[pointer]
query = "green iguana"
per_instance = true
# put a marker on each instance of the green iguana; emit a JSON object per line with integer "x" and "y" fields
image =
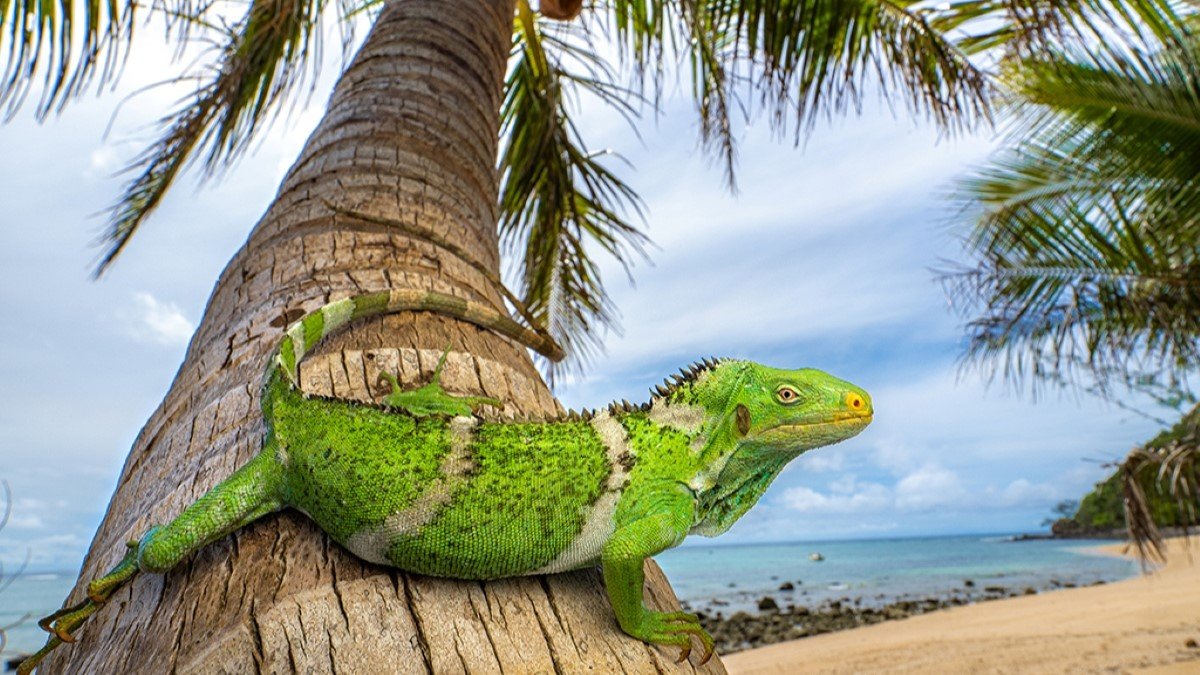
{"x": 423, "y": 484}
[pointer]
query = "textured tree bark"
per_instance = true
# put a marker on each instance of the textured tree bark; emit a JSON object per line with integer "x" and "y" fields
{"x": 410, "y": 134}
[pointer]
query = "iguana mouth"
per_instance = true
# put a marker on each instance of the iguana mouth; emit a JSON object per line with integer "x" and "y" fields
{"x": 833, "y": 421}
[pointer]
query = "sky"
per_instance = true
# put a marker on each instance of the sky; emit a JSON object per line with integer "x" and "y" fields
{"x": 822, "y": 259}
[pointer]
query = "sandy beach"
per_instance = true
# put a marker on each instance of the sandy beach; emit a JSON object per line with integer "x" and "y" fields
{"x": 1142, "y": 625}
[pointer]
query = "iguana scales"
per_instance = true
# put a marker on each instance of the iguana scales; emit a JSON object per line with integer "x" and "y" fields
{"x": 423, "y": 484}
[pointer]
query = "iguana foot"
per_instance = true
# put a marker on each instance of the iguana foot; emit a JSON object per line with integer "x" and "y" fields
{"x": 673, "y": 628}
{"x": 63, "y": 623}
{"x": 431, "y": 399}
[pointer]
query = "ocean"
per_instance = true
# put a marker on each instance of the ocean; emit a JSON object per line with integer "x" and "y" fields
{"x": 874, "y": 573}
{"x": 729, "y": 578}
{"x": 26, "y": 599}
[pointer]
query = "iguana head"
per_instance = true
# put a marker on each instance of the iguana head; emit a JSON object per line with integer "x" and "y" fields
{"x": 791, "y": 411}
{"x": 758, "y": 419}
{"x": 788, "y": 411}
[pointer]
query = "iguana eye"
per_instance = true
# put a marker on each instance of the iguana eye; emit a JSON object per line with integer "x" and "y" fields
{"x": 787, "y": 395}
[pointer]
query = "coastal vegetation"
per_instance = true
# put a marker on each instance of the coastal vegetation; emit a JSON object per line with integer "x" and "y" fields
{"x": 1103, "y": 510}
{"x": 1161, "y": 482}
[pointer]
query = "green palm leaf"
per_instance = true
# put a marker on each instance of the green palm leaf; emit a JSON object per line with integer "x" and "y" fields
{"x": 1086, "y": 263}
{"x": 798, "y": 60}
{"x": 1026, "y": 27}
{"x": 63, "y": 44}
{"x": 558, "y": 200}
{"x": 261, "y": 60}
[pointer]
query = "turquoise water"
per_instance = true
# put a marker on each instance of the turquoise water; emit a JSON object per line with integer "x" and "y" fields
{"x": 27, "y": 599}
{"x": 881, "y": 571}
{"x": 735, "y": 577}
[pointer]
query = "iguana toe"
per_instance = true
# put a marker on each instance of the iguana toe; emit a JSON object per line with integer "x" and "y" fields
{"x": 675, "y": 628}
{"x": 62, "y": 623}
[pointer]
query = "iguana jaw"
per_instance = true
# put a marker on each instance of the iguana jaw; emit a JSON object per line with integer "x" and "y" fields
{"x": 825, "y": 419}
{"x": 816, "y": 430}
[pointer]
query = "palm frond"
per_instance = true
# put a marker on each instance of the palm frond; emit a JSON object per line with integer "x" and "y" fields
{"x": 800, "y": 60}
{"x": 1115, "y": 110}
{"x": 1102, "y": 297}
{"x": 261, "y": 61}
{"x": 1169, "y": 464}
{"x": 1085, "y": 248}
{"x": 63, "y": 44}
{"x": 559, "y": 202}
{"x": 817, "y": 56}
{"x": 713, "y": 82}
{"x": 1024, "y": 28}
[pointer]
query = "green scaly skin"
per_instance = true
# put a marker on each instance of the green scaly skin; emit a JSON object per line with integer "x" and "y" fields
{"x": 422, "y": 484}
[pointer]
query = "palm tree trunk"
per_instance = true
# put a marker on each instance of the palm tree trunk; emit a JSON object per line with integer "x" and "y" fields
{"x": 411, "y": 135}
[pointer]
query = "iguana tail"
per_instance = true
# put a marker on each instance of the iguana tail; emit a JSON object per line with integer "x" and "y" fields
{"x": 307, "y": 333}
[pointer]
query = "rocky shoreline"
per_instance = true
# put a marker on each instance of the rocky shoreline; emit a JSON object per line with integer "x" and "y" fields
{"x": 775, "y": 623}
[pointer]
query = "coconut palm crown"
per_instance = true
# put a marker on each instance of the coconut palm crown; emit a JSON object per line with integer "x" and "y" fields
{"x": 791, "y": 61}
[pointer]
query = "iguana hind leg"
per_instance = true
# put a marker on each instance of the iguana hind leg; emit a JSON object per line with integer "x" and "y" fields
{"x": 431, "y": 399}
{"x": 250, "y": 493}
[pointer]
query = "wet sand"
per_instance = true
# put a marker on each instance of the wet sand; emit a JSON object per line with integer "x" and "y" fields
{"x": 1141, "y": 625}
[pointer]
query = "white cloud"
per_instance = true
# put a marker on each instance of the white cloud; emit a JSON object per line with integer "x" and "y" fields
{"x": 926, "y": 488}
{"x": 929, "y": 487}
{"x": 891, "y": 452}
{"x": 26, "y": 521}
{"x": 103, "y": 161}
{"x": 44, "y": 552}
{"x": 922, "y": 489}
{"x": 26, "y": 512}
{"x": 846, "y": 484}
{"x": 867, "y": 498}
{"x": 160, "y": 322}
{"x": 1022, "y": 492}
{"x": 825, "y": 461}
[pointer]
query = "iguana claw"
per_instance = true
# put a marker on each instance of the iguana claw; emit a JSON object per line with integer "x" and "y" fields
{"x": 48, "y": 623}
{"x": 675, "y": 628}
{"x": 684, "y": 653}
{"x": 686, "y": 650}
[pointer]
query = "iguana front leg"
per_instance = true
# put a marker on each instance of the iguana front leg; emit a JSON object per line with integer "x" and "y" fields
{"x": 661, "y": 522}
